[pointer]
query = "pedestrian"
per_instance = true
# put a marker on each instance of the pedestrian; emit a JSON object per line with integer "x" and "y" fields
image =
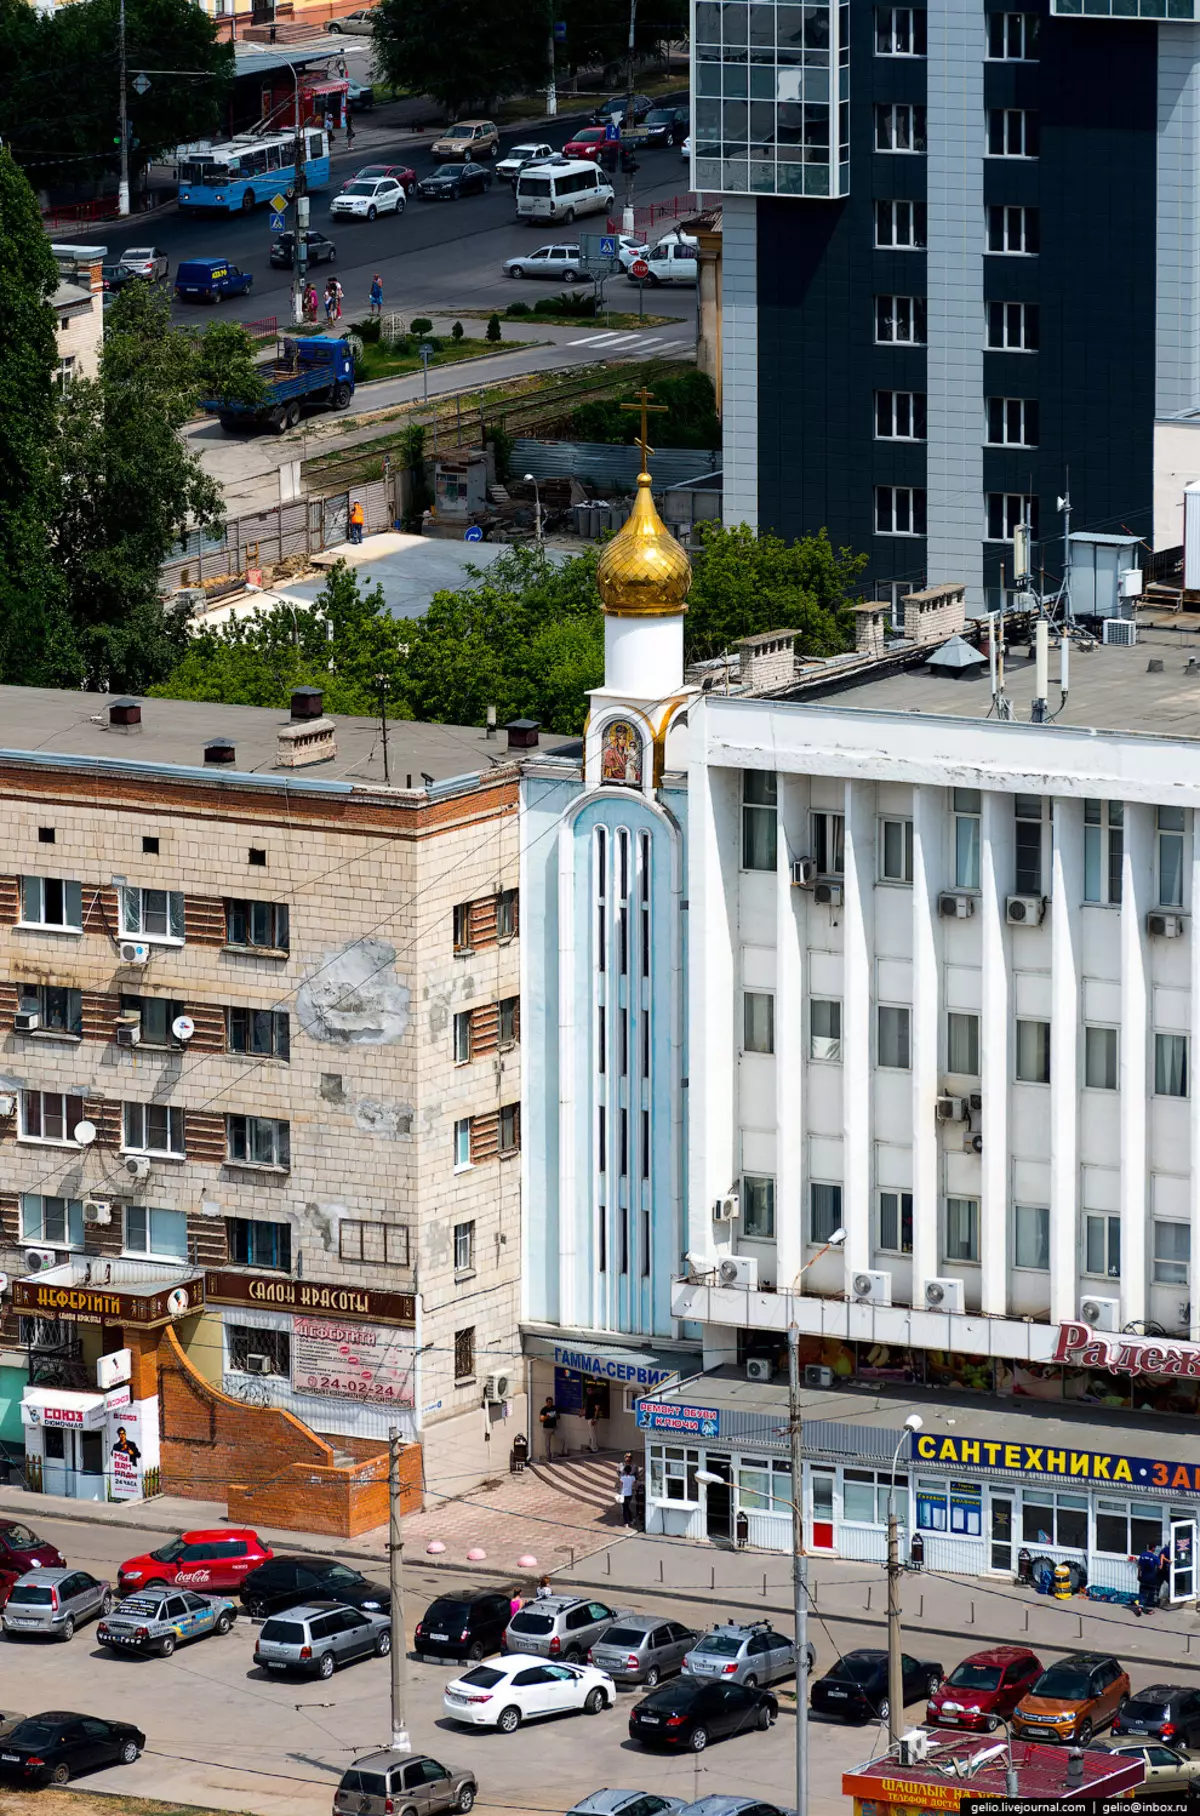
{"x": 337, "y": 294}
{"x": 357, "y": 521}
{"x": 514, "y": 1603}
{"x": 629, "y": 1483}
{"x": 330, "y": 302}
{"x": 1147, "y": 1576}
{"x": 543, "y": 1589}
{"x": 311, "y": 303}
{"x": 591, "y": 1412}
{"x": 349, "y": 132}
{"x": 548, "y": 1420}
{"x": 376, "y": 297}
{"x": 1162, "y": 1589}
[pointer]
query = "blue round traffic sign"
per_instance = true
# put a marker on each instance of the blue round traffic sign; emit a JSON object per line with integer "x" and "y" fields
{"x": 474, "y": 534}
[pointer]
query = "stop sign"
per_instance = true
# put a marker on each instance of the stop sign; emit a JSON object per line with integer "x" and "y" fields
{"x": 639, "y": 269}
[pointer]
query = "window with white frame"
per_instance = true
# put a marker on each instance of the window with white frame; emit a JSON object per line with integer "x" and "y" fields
{"x": 900, "y": 31}
{"x": 258, "y": 1141}
{"x": 1013, "y": 37}
{"x": 868, "y": 1495}
{"x": 1029, "y": 817}
{"x": 673, "y": 1474}
{"x": 1169, "y": 821}
{"x": 462, "y": 1038}
{"x": 1013, "y": 327}
{"x": 824, "y": 1210}
{"x": 1033, "y": 1052}
{"x": 47, "y": 901}
{"x": 764, "y": 1485}
{"x": 50, "y": 1116}
{"x": 1124, "y": 1529}
{"x": 152, "y": 914}
{"x": 464, "y": 1248}
{"x": 153, "y": 1128}
{"x": 825, "y": 1029}
{"x": 829, "y": 843}
{"x": 1048, "y": 1518}
{"x": 1005, "y": 510}
{"x": 1012, "y": 132}
{"x": 1103, "y": 851}
{"x": 1031, "y": 1237}
{"x": 900, "y": 415}
{"x": 900, "y": 511}
{"x": 758, "y": 1021}
{"x": 1013, "y": 229}
{"x": 50, "y": 1222}
{"x": 462, "y": 1142}
{"x": 59, "y": 1009}
{"x": 962, "y": 1043}
{"x": 149, "y": 1231}
{"x": 896, "y": 1223}
{"x": 1102, "y": 1245}
{"x": 894, "y": 1036}
{"x": 900, "y": 321}
{"x": 899, "y": 126}
{"x": 1100, "y": 1058}
{"x": 900, "y": 226}
{"x": 895, "y": 851}
{"x": 1172, "y": 1252}
{"x": 758, "y": 1207}
{"x": 961, "y": 1242}
{"x": 1170, "y": 1065}
{"x": 1012, "y": 422}
{"x": 968, "y": 805}
{"x": 760, "y": 819}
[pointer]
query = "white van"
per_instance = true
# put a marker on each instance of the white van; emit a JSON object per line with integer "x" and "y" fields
{"x": 558, "y": 192}
{"x": 673, "y": 260}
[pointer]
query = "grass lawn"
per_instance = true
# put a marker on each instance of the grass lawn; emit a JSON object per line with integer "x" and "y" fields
{"x": 379, "y": 361}
{"x": 93, "y": 1803}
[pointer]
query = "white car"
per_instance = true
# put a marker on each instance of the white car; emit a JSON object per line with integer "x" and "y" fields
{"x": 629, "y": 247}
{"x": 685, "y": 150}
{"x": 514, "y": 162}
{"x": 360, "y": 24}
{"x": 506, "y": 1691}
{"x": 145, "y": 261}
{"x": 364, "y": 200}
{"x": 565, "y": 262}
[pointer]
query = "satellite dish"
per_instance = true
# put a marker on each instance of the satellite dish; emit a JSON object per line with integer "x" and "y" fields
{"x": 84, "y": 1133}
{"x": 183, "y": 1027}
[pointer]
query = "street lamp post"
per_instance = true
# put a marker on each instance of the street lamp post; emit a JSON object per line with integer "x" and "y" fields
{"x": 913, "y": 1423}
{"x": 537, "y": 507}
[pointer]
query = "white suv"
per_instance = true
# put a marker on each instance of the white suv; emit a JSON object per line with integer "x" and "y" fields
{"x": 364, "y": 200}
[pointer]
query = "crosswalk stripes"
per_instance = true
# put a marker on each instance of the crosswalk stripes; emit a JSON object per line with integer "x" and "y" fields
{"x": 629, "y": 343}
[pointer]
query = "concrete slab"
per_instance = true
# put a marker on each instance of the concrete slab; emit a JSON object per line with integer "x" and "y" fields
{"x": 410, "y": 569}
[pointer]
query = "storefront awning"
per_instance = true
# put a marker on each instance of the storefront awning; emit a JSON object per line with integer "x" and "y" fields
{"x": 59, "y": 1406}
{"x": 624, "y": 1367}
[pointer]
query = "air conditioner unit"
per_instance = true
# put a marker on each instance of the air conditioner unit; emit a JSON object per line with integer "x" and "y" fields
{"x": 27, "y": 1021}
{"x": 828, "y": 894}
{"x": 128, "y": 1030}
{"x": 497, "y": 1387}
{"x": 817, "y": 1375}
{"x": 804, "y": 872}
{"x": 872, "y": 1288}
{"x": 38, "y": 1259}
{"x": 137, "y": 1166}
{"x": 1024, "y": 910}
{"x": 725, "y": 1210}
{"x": 257, "y": 1365}
{"x": 914, "y": 1747}
{"x": 972, "y": 1144}
{"x": 944, "y": 1295}
{"x": 1158, "y": 926}
{"x": 134, "y": 952}
{"x": 953, "y": 906}
{"x": 950, "y": 1109}
{"x": 97, "y": 1210}
{"x": 975, "y": 1102}
{"x": 1119, "y": 630}
{"x": 739, "y": 1270}
{"x": 1101, "y": 1314}
{"x": 758, "y": 1369}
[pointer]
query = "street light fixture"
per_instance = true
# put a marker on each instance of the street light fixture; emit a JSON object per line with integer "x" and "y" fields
{"x": 912, "y": 1423}
{"x": 537, "y": 505}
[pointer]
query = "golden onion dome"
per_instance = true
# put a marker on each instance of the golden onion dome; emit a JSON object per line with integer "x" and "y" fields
{"x": 644, "y": 572}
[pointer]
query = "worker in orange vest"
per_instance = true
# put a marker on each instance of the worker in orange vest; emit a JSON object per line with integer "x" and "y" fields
{"x": 357, "y": 521}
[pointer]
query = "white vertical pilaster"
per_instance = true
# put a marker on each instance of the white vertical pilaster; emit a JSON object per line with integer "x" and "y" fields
{"x": 1066, "y": 889}
{"x": 857, "y": 998}
{"x": 570, "y": 1212}
{"x": 1194, "y": 1102}
{"x": 790, "y": 1108}
{"x": 995, "y": 866}
{"x": 713, "y": 1159}
{"x": 927, "y": 873}
{"x": 1136, "y": 878}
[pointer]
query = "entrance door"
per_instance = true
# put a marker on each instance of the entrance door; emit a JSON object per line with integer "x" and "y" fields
{"x": 1001, "y": 1530}
{"x": 58, "y": 1466}
{"x": 718, "y": 1498}
{"x": 821, "y": 1509}
{"x": 1183, "y": 1560}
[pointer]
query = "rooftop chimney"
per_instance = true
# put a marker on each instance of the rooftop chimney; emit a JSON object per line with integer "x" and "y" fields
{"x": 124, "y": 715}
{"x": 307, "y": 703}
{"x": 220, "y": 750}
{"x": 523, "y": 733}
{"x": 307, "y": 737}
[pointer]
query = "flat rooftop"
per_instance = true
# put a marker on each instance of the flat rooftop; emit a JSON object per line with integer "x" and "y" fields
{"x": 52, "y": 722}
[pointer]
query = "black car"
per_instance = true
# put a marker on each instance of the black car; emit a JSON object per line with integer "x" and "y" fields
{"x": 115, "y": 277}
{"x": 321, "y": 251}
{"x": 856, "y": 1687}
{"x": 689, "y": 1713}
{"x": 666, "y": 125}
{"x": 618, "y": 104}
{"x": 454, "y": 180}
{"x": 1164, "y": 1712}
{"x": 287, "y": 1582}
{"x": 468, "y": 1625}
{"x": 55, "y": 1747}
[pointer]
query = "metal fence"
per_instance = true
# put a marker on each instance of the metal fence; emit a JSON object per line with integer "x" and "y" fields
{"x": 264, "y": 538}
{"x": 610, "y": 463}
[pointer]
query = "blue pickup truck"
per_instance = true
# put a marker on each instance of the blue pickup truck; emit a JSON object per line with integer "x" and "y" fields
{"x": 309, "y": 372}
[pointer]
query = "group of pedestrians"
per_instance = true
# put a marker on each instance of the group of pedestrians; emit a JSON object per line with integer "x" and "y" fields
{"x": 629, "y": 1481}
{"x": 334, "y": 298}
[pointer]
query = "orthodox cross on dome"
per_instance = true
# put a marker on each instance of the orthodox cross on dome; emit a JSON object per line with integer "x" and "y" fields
{"x": 647, "y": 409}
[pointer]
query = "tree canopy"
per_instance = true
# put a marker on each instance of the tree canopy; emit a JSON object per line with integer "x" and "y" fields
{"x": 467, "y": 54}
{"x": 747, "y": 582}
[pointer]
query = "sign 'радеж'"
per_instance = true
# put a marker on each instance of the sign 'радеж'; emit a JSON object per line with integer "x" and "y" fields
{"x": 1081, "y": 1347}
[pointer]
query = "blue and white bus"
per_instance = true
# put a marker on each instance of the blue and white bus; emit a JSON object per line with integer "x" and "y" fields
{"x": 245, "y": 172}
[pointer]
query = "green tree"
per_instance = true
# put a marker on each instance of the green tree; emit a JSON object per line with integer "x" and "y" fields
{"x": 745, "y": 584}
{"x": 691, "y": 420}
{"x": 226, "y": 365}
{"x": 466, "y": 54}
{"x": 598, "y": 32}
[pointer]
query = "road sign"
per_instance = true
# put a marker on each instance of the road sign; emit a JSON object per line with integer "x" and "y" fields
{"x": 278, "y": 222}
{"x": 279, "y": 203}
{"x": 639, "y": 269}
{"x": 560, "y": 31}
{"x": 612, "y": 129}
{"x": 141, "y": 85}
{"x": 608, "y": 245}
{"x": 474, "y": 534}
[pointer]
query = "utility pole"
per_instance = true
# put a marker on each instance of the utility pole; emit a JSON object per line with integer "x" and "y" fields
{"x": 552, "y": 82}
{"x": 123, "y": 187}
{"x": 301, "y": 193}
{"x": 895, "y": 1639}
{"x": 399, "y": 1653}
{"x": 381, "y": 684}
{"x": 799, "y": 1569}
{"x": 626, "y": 123}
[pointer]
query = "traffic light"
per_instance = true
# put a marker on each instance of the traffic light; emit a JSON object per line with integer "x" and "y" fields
{"x": 628, "y": 162}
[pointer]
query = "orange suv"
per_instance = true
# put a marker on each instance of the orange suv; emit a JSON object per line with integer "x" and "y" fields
{"x": 1072, "y": 1699}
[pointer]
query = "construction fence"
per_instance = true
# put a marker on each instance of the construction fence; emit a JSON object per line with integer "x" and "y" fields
{"x": 258, "y": 542}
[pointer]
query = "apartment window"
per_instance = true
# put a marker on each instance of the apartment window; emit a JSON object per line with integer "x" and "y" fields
{"x": 462, "y": 927}
{"x": 758, "y": 1207}
{"x": 262, "y": 924}
{"x": 59, "y": 1009}
{"x": 258, "y": 1141}
{"x": 153, "y": 1128}
{"x": 379, "y": 1244}
{"x": 1100, "y": 1059}
{"x": 900, "y": 321}
{"x": 962, "y": 1229}
{"x": 1170, "y": 1065}
{"x": 1103, "y": 850}
{"x": 243, "y": 1342}
{"x": 48, "y": 902}
{"x": 900, "y": 415}
{"x": 962, "y": 1044}
{"x": 894, "y": 1036}
{"x": 899, "y": 126}
{"x": 896, "y": 851}
{"x": 149, "y": 1231}
{"x": 464, "y": 1248}
{"x": 829, "y": 843}
{"x": 1013, "y": 37}
{"x": 824, "y": 1210}
{"x": 464, "y": 1354}
{"x": 510, "y": 1128}
{"x": 1033, "y": 1052}
{"x": 760, "y": 829}
{"x": 1012, "y": 422}
{"x": 50, "y": 1116}
{"x": 1013, "y": 327}
{"x": 156, "y": 1013}
{"x": 1027, "y": 810}
{"x": 259, "y": 1244}
{"x": 462, "y": 1142}
{"x": 266, "y": 1032}
{"x": 1012, "y": 229}
{"x": 899, "y": 510}
{"x": 758, "y": 1021}
{"x": 1172, "y": 1253}
{"x": 896, "y": 1222}
{"x": 1102, "y": 1246}
{"x": 899, "y": 31}
{"x": 462, "y": 1038}
{"x": 825, "y": 1029}
{"x": 509, "y": 1009}
{"x": 967, "y": 806}
{"x": 1005, "y": 510}
{"x": 1012, "y": 133}
{"x": 506, "y": 914}
{"x": 152, "y": 914}
{"x": 51, "y": 1222}
{"x": 900, "y": 226}
{"x": 1170, "y": 857}
{"x": 1031, "y": 1237}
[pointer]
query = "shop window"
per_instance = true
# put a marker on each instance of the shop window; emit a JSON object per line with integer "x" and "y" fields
{"x": 760, "y": 830}
{"x": 932, "y": 1505}
{"x": 764, "y": 1485}
{"x": 1125, "y": 1528}
{"x": 242, "y": 1343}
{"x": 259, "y": 1244}
{"x": 673, "y": 1474}
{"x": 149, "y": 1231}
{"x": 1054, "y": 1519}
{"x": 758, "y": 1207}
{"x": 865, "y": 1497}
{"x": 51, "y": 1222}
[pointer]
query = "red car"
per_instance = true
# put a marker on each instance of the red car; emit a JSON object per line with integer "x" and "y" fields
{"x": 403, "y": 173}
{"x": 586, "y": 144}
{"x": 983, "y": 1688}
{"x": 207, "y": 1561}
{"x": 22, "y": 1550}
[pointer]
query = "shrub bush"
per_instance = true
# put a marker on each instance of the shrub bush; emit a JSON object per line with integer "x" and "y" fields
{"x": 493, "y": 328}
{"x": 369, "y": 330}
{"x": 516, "y": 309}
{"x": 421, "y": 325}
{"x": 457, "y": 332}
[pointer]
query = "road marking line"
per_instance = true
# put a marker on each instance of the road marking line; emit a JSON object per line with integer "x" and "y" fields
{"x": 622, "y": 340}
{"x": 593, "y": 339}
